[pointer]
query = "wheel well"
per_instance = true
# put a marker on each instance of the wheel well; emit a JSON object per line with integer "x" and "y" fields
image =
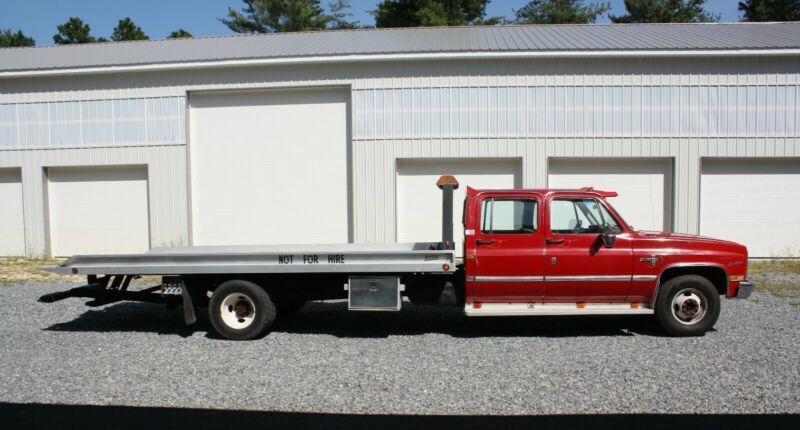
{"x": 716, "y": 275}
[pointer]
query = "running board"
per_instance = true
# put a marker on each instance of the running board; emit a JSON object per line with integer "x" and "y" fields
{"x": 532, "y": 309}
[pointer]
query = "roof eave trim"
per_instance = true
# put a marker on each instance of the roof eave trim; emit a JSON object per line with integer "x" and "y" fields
{"x": 399, "y": 57}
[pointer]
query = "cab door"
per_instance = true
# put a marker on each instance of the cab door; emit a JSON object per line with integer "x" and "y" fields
{"x": 579, "y": 268}
{"x": 509, "y": 249}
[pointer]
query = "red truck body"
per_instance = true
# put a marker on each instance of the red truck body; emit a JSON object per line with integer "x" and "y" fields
{"x": 548, "y": 265}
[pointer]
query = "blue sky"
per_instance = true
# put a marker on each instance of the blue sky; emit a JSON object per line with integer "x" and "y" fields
{"x": 39, "y": 18}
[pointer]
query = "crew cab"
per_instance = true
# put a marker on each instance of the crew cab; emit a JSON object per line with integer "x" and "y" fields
{"x": 559, "y": 252}
{"x": 526, "y": 252}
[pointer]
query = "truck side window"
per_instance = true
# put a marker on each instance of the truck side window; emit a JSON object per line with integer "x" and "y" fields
{"x": 508, "y": 216}
{"x": 580, "y": 215}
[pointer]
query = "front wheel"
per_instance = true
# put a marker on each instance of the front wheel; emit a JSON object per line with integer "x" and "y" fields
{"x": 687, "y": 305}
{"x": 241, "y": 310}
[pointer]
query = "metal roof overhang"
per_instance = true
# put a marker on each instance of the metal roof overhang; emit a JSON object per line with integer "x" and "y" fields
{"x": 433, "y": 56}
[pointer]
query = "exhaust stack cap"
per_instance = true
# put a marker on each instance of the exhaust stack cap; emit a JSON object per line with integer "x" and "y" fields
{"x": 447, "y": 180}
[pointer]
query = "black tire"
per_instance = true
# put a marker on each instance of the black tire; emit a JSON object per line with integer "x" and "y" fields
{"x": 241, "y": 295}
{"x": 288, "y": 306}
{"x": 676, "y": 306}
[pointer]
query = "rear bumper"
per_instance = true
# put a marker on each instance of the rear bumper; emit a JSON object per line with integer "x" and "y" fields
{"x": 745, "y": 289}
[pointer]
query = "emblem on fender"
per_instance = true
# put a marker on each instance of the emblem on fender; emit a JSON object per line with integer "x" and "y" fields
{"x": 653, "y": 260}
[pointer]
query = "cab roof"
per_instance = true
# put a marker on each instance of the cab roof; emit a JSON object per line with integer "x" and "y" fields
{"x": 589, "y": 191}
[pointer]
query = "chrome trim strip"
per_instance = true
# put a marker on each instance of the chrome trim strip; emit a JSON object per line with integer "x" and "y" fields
{"x": 599, "y": 278}
{"x": 534, "y": 309}
{"x": 505, "y": 278}
{"x": 643, "y": 278}
{"x": 603, "y": 278}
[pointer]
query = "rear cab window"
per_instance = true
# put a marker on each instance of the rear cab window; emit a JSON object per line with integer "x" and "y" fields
{"x": 509, "y": 215}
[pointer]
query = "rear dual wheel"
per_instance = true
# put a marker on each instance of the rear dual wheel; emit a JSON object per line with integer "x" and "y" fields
{"x": 241, "y": 310}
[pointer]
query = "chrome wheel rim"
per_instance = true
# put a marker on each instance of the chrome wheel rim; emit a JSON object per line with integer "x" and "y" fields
{"x": 238, "y": 311}
{"x": 689, "y": 306}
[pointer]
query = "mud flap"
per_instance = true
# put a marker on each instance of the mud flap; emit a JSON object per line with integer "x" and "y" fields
{"x": 189, "y": 315}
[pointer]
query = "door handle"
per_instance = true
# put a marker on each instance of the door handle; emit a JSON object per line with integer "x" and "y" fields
{"x": 484, "y": 241}
{"x": 553, "y": 241}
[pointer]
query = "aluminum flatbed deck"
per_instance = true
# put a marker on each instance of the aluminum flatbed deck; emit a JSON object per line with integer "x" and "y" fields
{"x": 420, "y": 257}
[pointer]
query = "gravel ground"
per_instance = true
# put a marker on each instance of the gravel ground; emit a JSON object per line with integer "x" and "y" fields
{"x": 423, "y": 360}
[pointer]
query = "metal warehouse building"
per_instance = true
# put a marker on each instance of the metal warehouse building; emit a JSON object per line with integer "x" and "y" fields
{"x": 340, "y": 136}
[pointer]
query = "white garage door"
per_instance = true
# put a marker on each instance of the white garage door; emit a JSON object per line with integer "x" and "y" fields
{"x": 644, "y": 186}
{"x": 12, "y": 227}
{"x": 98, "y": 210}
{"x": 752, "y": 202}
{"x": 419, "y": 200}
{"x": 269, "y": 167}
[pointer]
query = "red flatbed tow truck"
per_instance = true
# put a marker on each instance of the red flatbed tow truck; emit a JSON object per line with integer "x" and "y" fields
{"x": 526, "y": 252}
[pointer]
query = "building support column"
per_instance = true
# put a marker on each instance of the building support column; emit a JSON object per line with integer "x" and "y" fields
{"x": 686, "y": 213}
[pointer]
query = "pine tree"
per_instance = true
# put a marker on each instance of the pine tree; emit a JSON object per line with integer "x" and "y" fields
{"x": 10, "y": 39}
{"x": 272, "y": 16}
{"x": 665, "y": 11}
{"x": 770, "y": 10}
{"x": 126, "y": 29}
{"x": 416, "y": 13}
{"x": 179, "y": 34}
{"x": 560, "y": 12}
{"x": 74, "y": 31}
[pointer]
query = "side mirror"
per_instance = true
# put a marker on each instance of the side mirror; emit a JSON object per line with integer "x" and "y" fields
{"x": 608, "y": 238}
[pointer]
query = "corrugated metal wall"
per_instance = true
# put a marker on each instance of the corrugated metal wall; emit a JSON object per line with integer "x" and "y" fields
{"x": 166, "y": 174}
{"x": 682, "y": 111}
{"x": 533, "y": 110}
{"x": 93, "y": 123}
{"x": 576, "y": 110}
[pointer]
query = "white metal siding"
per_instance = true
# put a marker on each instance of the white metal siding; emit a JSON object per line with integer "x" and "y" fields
{"x": 644, "y": 186}
{"x": 753, "y": 202}
{"x": 98, "y": 210}
{"x": 167, "y": 187}
{"x": 269, "y": 167}
{"x": 617, "y": 109}
{"x": 690, "y": 84}
{"x": 93, "y": 123}
{"x": 12, "y": 224}
{"x": 419, "y": 200}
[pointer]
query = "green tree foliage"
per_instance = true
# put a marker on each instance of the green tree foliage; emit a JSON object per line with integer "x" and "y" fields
{"x": 74, "y": 31}
{"x": 126, "y": 29}
{"x": 665, "y": 11}
{"x": 770, "y": 10}
{"x": 341, "y": 18}
{"x": 416, "y": 13}
{"x": 179, "y": 34}
{"x": 272, "y": 16}
{"x": 9, "y": 39}
{"x": 560, "y": 12}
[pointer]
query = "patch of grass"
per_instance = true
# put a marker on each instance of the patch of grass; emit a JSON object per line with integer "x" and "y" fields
{"x": 787, "y": 265}
{"x": 19, "y": 270}
{"x": 780, "y": 289}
